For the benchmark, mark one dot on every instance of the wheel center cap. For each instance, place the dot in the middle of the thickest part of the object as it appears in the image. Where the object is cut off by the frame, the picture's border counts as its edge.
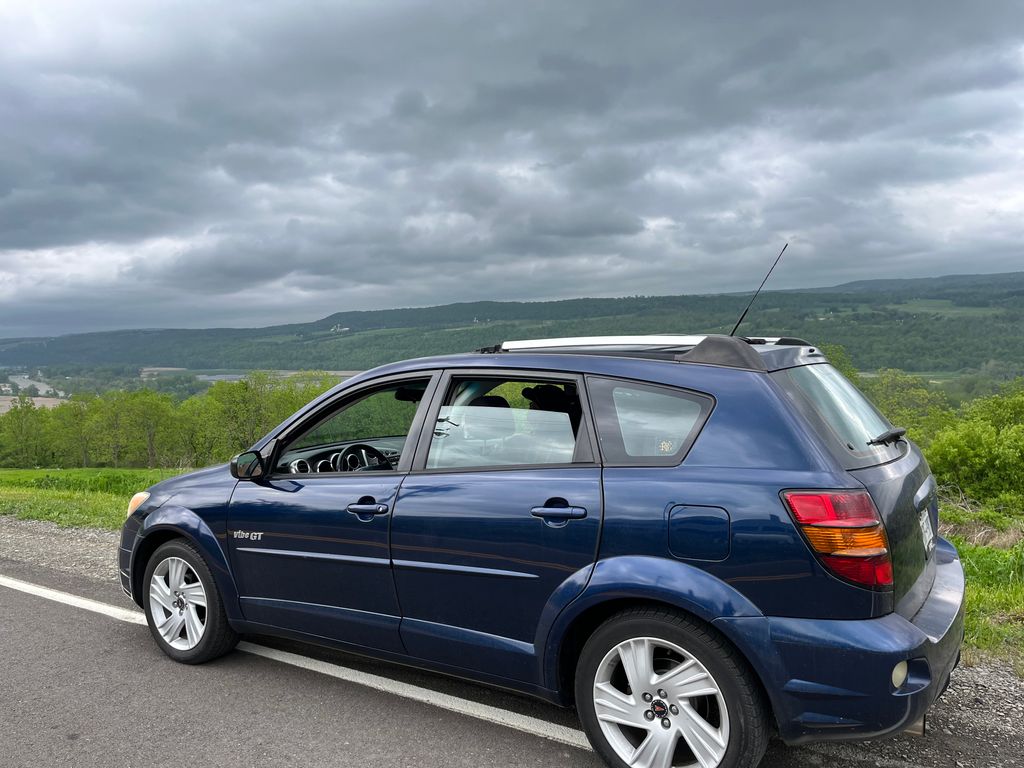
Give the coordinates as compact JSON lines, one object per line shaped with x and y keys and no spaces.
{"x":659,"y":708}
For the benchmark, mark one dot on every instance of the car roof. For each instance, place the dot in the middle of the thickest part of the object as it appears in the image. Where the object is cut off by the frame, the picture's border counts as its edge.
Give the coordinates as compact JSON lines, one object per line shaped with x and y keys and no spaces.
{"x":745,"y":354}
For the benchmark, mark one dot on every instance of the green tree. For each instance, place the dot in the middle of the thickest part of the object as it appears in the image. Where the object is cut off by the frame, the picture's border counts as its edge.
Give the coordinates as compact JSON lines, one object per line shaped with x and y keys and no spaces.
{"x":72,"y":435}
{"x":110,"y":419}
{"x":149,"y":417}
{"x":908,"y":401}
{"x":21,"y":434}
{"x":202,"y":434}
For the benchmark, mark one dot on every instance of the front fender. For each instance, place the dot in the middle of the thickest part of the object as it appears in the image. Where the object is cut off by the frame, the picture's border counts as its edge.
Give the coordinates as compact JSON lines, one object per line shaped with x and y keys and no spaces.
{"x":640,"y":579}
{"x":185,"y":523}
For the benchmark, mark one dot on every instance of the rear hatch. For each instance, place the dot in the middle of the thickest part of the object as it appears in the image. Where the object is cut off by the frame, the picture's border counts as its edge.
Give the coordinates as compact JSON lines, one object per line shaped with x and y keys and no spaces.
{"x":895,"y":474}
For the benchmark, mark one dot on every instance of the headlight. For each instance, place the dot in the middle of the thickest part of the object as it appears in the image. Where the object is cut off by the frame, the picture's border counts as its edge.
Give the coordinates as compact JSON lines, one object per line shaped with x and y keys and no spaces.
{"x":137,"y":501}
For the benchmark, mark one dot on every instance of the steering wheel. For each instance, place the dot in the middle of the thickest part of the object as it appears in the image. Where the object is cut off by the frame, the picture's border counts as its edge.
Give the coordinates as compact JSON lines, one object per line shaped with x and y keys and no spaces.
{"x":360,"y":456}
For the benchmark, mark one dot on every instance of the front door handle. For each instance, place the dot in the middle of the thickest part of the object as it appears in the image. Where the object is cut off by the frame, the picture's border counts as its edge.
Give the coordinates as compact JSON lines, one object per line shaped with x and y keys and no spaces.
{"x":558,"y":516}
{"x":367,"y":511}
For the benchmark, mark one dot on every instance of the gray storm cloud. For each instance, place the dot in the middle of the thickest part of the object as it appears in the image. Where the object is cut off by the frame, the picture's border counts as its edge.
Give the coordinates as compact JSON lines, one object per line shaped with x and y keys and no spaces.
{"x":239,"y":163}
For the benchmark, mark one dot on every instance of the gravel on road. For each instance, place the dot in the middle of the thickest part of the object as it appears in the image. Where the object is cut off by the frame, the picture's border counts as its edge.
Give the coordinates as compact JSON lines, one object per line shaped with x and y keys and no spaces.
{"x":89,"y":552}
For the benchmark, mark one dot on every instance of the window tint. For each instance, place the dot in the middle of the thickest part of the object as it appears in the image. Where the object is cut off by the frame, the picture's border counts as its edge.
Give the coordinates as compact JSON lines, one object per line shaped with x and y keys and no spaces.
{"x":381,"y":419}
{"x":844,"y":416}
{"x":644,"y":424}
{"x":498,"y":422}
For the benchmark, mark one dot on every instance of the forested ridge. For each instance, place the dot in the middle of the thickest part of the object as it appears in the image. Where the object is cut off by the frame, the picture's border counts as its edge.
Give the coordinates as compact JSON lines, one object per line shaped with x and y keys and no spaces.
{"x":948,"y":324}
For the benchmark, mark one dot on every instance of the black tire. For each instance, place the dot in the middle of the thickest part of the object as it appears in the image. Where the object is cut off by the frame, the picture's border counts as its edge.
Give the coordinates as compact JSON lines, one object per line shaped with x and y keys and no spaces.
{"x":748,"y":727}
{"x":218,"y":637}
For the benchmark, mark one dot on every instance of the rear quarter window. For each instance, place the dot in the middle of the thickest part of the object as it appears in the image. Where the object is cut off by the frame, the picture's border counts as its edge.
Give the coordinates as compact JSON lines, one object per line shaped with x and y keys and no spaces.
{"x":643,"y":424}
{"x":840,"y":414}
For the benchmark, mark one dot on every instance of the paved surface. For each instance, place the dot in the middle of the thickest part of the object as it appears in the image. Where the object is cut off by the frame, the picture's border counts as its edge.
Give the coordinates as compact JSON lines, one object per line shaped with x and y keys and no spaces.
{"x":82,"y":689}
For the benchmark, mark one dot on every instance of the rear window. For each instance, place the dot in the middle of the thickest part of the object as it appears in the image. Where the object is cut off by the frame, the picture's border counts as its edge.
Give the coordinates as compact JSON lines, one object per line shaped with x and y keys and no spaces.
{"x":843,"y":416}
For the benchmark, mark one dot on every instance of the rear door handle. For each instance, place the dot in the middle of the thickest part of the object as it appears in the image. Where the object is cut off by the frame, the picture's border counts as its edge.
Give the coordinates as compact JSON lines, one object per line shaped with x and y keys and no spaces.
{"x":366,"y":512}
{"x":562,"y":514}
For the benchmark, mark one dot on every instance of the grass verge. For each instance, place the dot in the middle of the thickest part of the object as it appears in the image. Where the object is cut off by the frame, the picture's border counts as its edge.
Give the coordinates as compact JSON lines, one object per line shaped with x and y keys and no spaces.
{"x":96,"y":498}
{"x":995,"y":600}
{"x":83,"y":508}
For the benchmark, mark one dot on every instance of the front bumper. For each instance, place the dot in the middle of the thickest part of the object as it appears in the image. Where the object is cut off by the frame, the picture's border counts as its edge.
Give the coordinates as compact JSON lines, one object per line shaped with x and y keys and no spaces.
{"x":831,"y":679}
{"x":124,"y":555}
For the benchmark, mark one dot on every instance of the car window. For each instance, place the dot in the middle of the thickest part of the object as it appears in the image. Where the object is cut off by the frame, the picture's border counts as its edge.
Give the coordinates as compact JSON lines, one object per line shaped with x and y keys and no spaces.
{"x":485,"y":422}
{"x":645,"y":424}
{"x":367,"y":433}
{"x":842,"y":415}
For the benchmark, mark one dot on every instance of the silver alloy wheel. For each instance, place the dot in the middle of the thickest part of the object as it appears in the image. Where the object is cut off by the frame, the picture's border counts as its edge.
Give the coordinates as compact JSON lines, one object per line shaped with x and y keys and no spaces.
{"x":649,"y":694}
{"x":177,"y":604}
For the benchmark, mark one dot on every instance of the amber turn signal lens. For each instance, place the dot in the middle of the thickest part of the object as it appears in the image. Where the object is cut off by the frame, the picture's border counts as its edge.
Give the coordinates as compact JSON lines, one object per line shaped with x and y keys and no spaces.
{"x":137,"y":501}
{"x":864,"y":542}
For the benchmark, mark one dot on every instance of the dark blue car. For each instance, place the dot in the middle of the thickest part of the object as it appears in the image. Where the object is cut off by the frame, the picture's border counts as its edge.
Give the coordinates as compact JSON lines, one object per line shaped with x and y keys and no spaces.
{"x":696,"y":541}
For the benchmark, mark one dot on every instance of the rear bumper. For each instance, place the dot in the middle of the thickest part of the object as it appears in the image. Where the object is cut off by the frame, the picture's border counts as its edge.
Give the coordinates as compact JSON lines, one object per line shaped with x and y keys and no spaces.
{"x":833,"y":679}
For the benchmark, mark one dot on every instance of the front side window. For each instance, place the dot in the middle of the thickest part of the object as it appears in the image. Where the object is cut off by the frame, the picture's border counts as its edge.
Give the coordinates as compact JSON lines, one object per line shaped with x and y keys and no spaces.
{"x":366,"y":434}
{"x":491,"y":422}
{"x":642,"y":424}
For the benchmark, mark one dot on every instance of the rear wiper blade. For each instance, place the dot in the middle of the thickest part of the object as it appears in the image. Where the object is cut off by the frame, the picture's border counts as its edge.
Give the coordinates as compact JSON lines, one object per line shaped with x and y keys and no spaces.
{"x":889,"y":436}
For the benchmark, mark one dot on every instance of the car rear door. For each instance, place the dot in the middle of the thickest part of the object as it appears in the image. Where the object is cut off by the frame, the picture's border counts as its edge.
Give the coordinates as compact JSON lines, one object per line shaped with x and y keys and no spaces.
{"x":501,"y":511}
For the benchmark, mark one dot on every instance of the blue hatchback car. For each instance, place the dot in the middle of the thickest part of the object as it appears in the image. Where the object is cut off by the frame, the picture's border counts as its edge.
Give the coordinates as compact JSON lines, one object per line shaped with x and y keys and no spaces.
{"x":696,"y":541}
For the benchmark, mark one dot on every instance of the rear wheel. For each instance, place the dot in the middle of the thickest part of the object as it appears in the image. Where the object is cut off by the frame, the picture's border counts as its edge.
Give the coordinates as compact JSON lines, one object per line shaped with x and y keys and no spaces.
{"x":183,"y":608}
{"x":657,"y":689}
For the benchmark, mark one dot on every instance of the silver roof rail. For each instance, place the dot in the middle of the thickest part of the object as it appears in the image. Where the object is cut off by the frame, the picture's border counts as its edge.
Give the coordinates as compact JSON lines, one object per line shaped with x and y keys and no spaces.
{"x":603,"y":341}
{"x":713,"y":349}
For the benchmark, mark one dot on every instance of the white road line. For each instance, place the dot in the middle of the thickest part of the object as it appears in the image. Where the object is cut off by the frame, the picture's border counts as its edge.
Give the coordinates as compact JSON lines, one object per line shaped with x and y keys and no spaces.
{"x":113,"y":611}
{"x":531,"y":725}
{"x":525,"y":723}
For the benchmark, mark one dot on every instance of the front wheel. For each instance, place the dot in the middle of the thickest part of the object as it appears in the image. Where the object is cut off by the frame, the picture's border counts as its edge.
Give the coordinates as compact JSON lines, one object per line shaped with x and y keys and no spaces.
{"x":657,"y":689}
{"x":183,"y":608}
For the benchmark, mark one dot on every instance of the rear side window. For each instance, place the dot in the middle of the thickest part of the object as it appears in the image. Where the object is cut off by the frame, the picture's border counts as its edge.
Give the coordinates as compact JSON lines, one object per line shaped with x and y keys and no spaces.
{"x":646,"y":425}
{"x":842,"y":415}
{"x":490,"y":422}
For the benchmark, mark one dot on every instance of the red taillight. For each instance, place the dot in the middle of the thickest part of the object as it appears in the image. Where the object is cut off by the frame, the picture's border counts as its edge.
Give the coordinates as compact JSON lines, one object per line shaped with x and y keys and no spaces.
{"x":846,"y":532}
{"x":873,"y":571}
{"x":852,"y":509}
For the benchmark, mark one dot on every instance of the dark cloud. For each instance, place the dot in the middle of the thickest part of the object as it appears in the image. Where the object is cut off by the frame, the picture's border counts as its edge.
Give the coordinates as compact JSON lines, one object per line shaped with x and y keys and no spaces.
{"x":186,"y":164}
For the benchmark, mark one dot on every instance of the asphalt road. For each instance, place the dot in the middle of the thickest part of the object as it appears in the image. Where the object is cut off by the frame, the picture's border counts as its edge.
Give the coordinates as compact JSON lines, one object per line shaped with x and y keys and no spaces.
{"x":84,"y":689}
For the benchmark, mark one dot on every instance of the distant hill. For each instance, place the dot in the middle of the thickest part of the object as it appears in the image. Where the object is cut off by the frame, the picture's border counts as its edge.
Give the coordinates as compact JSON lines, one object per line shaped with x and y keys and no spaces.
{"x":952,"y":284}
{"x":951,"y":323}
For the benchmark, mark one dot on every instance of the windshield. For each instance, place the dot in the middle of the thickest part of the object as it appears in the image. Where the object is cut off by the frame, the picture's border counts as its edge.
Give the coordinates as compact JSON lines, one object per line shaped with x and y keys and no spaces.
{"x":841,"y":413}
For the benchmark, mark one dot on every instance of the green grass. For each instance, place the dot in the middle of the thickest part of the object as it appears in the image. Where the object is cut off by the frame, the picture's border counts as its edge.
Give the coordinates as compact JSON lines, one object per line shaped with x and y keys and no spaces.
{"x":995,"y":600}
{"x":96,"y":498}
{"x":115,"y":481}
{"x":78,"y":508}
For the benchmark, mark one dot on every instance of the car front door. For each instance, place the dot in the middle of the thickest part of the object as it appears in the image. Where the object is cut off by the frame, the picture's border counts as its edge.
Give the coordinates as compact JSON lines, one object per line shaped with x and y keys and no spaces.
{"x":502,"y":510}
{"x":309,"y":543}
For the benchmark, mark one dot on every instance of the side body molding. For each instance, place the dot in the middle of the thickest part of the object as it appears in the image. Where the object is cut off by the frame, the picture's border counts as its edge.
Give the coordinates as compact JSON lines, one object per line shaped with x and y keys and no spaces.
{"x":635,"y":578}
{"x":183,"y":522}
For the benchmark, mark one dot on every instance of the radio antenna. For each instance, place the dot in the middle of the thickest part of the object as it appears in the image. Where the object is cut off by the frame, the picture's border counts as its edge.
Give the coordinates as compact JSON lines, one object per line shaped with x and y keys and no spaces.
{"x":751,"y":302}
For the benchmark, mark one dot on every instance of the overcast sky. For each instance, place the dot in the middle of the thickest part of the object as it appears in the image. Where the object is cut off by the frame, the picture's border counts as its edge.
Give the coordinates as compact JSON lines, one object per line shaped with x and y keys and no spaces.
{"x":236,"y":163}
